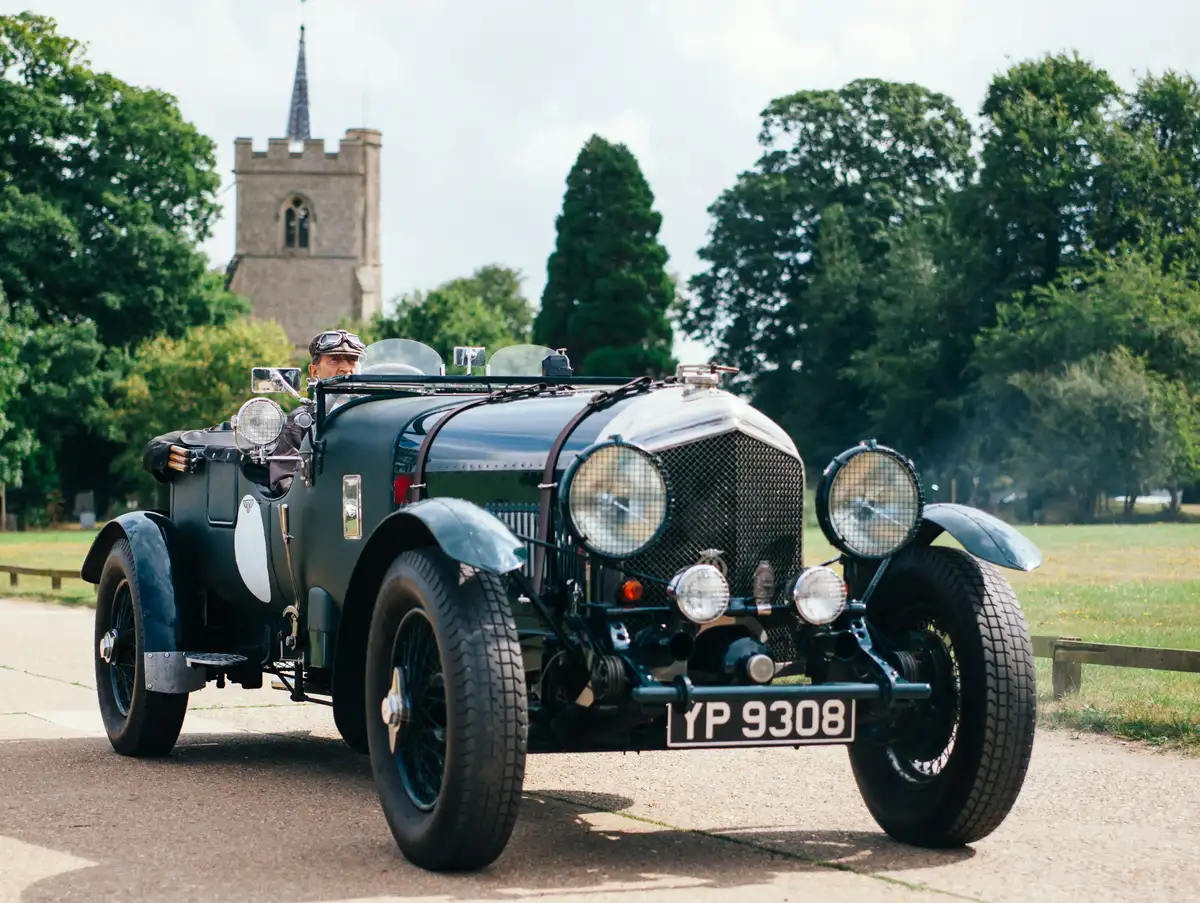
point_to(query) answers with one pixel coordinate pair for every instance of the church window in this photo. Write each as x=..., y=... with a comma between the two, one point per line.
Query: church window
x=296, y=220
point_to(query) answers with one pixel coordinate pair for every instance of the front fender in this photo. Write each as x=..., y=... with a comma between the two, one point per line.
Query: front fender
x=465, y=532
x=155, y=569
x=981, y=534
x=159, y=580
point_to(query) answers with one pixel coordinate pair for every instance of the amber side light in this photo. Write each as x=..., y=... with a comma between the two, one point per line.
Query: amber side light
x=631, y=591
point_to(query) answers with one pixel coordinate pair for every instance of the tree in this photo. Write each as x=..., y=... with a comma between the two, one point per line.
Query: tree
x=486, y=308
x=1165, y=112
x=194, y=381
x=16, y=442
x=499, y=288
x=799, y=245
x=1102, y=424
x=105, y=193
x=1106, y=307
x=1050, y=133
x=1180, y=406
x=911, y=372
x=1108, y=301
x=447, y=316
x=607, y=293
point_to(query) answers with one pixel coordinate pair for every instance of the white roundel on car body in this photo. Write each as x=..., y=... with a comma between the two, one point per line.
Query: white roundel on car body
x=250, y=548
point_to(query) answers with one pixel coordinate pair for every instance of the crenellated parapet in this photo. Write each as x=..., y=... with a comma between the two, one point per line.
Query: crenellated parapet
x=309, y=156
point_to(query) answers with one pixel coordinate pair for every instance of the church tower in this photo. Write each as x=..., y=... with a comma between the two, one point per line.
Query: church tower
x=308, y=229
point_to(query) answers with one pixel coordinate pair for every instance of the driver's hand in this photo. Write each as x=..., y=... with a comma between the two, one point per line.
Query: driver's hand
x=183, y=459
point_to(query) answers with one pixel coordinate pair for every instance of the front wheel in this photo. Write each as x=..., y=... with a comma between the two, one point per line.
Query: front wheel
x=446, y=715
x=139, y=722
x=950, y=768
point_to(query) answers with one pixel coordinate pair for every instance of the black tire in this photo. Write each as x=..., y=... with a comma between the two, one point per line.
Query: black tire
x=350, y=721
x=985, y=718
x=139, y=722
x=468, y=700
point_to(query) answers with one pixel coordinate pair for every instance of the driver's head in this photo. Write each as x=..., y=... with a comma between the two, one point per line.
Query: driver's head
x=334, y=353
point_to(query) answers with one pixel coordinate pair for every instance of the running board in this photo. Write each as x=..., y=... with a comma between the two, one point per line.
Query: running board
x=186, y=672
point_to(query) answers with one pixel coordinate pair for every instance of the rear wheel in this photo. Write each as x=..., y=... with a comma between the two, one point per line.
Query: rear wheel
x=446, y=711
x=954, y=765
x=139, y=722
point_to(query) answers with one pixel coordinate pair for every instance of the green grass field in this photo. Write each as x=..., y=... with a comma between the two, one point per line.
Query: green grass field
x=1138, y=585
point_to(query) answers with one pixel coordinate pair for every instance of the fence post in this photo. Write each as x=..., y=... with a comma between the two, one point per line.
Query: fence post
x=1066, y=675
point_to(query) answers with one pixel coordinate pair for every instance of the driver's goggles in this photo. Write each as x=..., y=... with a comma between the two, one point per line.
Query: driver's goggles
x=327, y=341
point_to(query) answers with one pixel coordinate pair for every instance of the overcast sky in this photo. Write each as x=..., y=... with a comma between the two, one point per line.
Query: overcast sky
x=483, y=104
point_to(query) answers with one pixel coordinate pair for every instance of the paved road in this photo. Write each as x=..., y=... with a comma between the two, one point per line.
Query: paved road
x=262, y=802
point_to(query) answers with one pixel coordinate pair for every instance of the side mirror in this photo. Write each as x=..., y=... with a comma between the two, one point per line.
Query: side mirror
x=469, y=356
x=268, y=380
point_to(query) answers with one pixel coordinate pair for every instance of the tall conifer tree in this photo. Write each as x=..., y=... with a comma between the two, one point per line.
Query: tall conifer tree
x=607, y=291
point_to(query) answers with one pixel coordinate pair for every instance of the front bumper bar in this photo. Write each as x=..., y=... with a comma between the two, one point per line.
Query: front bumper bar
x=683, y=692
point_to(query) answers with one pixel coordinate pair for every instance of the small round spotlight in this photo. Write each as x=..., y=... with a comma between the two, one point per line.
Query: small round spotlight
x=819, y=594
x=701, y=593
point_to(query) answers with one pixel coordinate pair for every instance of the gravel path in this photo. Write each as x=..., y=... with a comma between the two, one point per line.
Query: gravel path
x=262, y=802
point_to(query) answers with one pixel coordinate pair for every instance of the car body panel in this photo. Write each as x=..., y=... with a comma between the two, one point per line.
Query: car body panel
x=150, y=537
x=675, y=415
x=250, y=548
x=468, y=533
x=983, y=535
x=204, y=508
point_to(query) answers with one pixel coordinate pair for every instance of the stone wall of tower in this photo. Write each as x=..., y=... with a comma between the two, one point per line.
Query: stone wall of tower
x=339, y=274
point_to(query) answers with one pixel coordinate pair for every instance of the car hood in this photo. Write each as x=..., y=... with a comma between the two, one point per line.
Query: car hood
x=518, y=435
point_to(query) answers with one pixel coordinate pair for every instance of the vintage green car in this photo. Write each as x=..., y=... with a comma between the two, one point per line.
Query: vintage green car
x=471, y=568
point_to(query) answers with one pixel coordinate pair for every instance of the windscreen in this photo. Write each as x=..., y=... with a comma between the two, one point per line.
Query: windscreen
x=518, y=360
x=401, y=357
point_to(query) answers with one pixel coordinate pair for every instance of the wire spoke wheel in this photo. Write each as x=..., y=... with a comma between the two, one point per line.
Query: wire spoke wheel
x=925, y=734
x=122, y=661
x=420, y=751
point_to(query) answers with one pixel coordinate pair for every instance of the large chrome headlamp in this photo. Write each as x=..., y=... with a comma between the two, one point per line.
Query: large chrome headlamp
x=614, y=498
x=869, y=502
x=259, y=421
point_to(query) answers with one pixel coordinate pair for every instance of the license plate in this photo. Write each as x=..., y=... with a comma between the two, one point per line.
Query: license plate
x=739, y=721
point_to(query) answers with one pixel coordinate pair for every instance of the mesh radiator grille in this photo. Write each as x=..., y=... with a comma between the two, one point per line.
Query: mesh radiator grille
x=737, y=495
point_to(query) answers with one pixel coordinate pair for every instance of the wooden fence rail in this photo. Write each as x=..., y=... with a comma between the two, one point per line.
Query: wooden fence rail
x=1070, y=654
x=56, y=576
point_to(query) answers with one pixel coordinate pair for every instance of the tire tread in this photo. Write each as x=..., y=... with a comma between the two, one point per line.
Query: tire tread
x=1010, y=697
x=155, y=720
x=489, y=726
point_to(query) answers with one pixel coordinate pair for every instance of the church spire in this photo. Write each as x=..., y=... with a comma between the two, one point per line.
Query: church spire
x=297, y=129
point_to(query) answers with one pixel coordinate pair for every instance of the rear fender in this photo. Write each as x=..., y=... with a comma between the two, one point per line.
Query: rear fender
x=156, y=570
x=983, y=535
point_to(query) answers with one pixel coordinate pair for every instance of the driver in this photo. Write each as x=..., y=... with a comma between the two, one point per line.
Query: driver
x=332, y=353
x=335, y=352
